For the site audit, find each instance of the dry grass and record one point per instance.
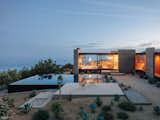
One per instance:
(71, 109)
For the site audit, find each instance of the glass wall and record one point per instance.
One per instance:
(88, 62)
(109, 61)
(157, 65)
(140, 62)
(91, 78)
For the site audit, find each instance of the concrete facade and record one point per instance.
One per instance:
(127, 61)
(76, 69)
(150, 62)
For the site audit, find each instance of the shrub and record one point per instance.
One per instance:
(122, 116)
(93, 107)
(108, 116)
(57, 109)
(116, 98)
(100, 117)
(152, 80)
(156, 110)
(98, 101)
(27, 107)
(114, 81)
(106, 108)
(83, 114)
(32, 94)
(128, 106)
(41, 115)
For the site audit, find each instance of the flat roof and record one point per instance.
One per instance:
(94, 53)
(103, 89)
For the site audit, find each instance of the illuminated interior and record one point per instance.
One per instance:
(90, 78)
(157, 65)
(140, 62)
(109, 61)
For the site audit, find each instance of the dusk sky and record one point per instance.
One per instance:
(31, 30)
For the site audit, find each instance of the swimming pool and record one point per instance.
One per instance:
(38, 82)
(50, 81)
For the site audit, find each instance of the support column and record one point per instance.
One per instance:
(150, 62)
(76, 69)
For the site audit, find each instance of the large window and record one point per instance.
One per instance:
(88, 62)
(157, 65)
(109, 61)
(90, 78)
(140, 62)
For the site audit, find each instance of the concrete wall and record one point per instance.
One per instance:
(127, 61)
(76, 69)
(150, 62)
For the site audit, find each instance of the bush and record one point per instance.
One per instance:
(98, 101)
(152, 80)
(32, 94)
(41, 115)
(27, 107)
(108, 116)
(116, 98)
(122, 116)
(100, 117)
(106, 108)
(83, 114)
(57, 109)
(93, 107)
(156, 110)
(128, 106)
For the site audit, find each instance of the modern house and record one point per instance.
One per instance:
(123, 61)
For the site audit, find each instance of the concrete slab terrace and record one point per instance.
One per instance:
(136, 97)
(102, 89)
(40, 100)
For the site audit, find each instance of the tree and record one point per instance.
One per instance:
(59, 81)
(57, 109)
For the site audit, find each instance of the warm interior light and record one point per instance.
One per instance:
(88, 78)
(157, 65)
(99, 62)
(140, 62)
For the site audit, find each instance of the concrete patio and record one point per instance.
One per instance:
(103, 89)
(39, 100)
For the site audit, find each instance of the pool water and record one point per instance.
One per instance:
(37, 80)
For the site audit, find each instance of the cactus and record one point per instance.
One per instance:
(93, 107)
(83, 114)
